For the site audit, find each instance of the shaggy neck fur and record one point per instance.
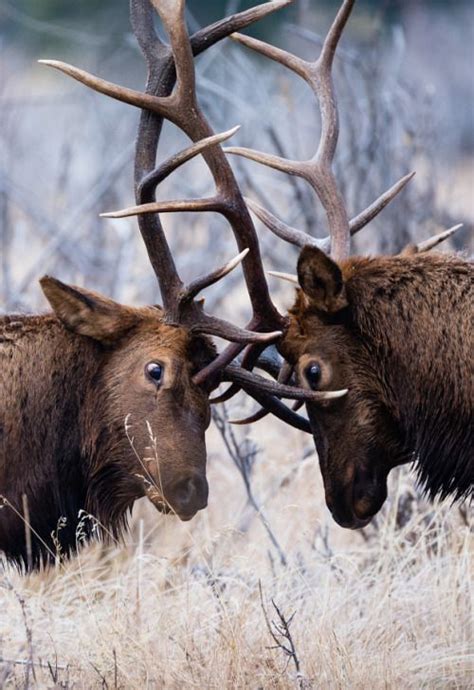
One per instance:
(414, 318)
(50, 381)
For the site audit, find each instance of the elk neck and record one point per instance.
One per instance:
(411, 317)
(50, 419)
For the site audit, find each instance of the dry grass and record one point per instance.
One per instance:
(178, 605)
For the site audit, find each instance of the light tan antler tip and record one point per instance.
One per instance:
(332, 395)
(282, 3)
(125, 212)
(432, 242)
(289, 277)
(240, 257)
(57, 64)
(110, 214)
(270, 336)
(233, 130)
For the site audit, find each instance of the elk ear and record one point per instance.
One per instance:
(86, 312)
(321, 280)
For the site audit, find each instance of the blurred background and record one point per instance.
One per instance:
(180, 605)
(404, 79)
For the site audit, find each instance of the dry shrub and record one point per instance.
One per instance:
(178, 605)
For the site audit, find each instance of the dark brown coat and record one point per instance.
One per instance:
(398, 333)
(84, 426)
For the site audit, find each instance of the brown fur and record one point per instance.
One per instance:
(398, 333)
(68, 385)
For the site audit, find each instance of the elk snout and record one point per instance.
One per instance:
(355, 504)
(189, 495)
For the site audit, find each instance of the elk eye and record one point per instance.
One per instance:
(313, 375)
(154, 371)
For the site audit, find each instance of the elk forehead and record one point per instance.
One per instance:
(152, 325)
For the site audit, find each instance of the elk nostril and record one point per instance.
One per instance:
(184, 490)
(191, 494)
(368, 498)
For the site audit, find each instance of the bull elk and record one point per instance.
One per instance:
(396, 331)
(102, 403)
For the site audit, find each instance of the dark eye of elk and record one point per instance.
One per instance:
(154, 372)
(313, 375)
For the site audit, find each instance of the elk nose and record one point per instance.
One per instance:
(190, 495)
(369, 494)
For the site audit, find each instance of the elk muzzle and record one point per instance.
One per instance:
(354, 504)
(189, 495)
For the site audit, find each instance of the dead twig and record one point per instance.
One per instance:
(243, 456)
(281, 635)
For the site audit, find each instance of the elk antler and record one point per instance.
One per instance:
(431, 242)
(168, 67)
(317, 171)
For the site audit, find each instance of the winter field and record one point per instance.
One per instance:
(262, 589)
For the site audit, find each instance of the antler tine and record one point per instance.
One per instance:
(261, 413)
(432, 242)
(289, 277)
(278, 409)
(249, 380)
(213, 33)
(169, 206)
(193, 289)
(284, 231)
(229, 393)
(210, 325)
(139, 99)
(334, 34)
(363, 218)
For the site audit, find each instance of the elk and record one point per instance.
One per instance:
(395, 331)
(103, 403)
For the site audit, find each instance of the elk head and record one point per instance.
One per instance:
(143, 402)
(356, 438)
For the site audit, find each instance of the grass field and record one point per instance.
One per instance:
(205, 604)
(262, 590)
